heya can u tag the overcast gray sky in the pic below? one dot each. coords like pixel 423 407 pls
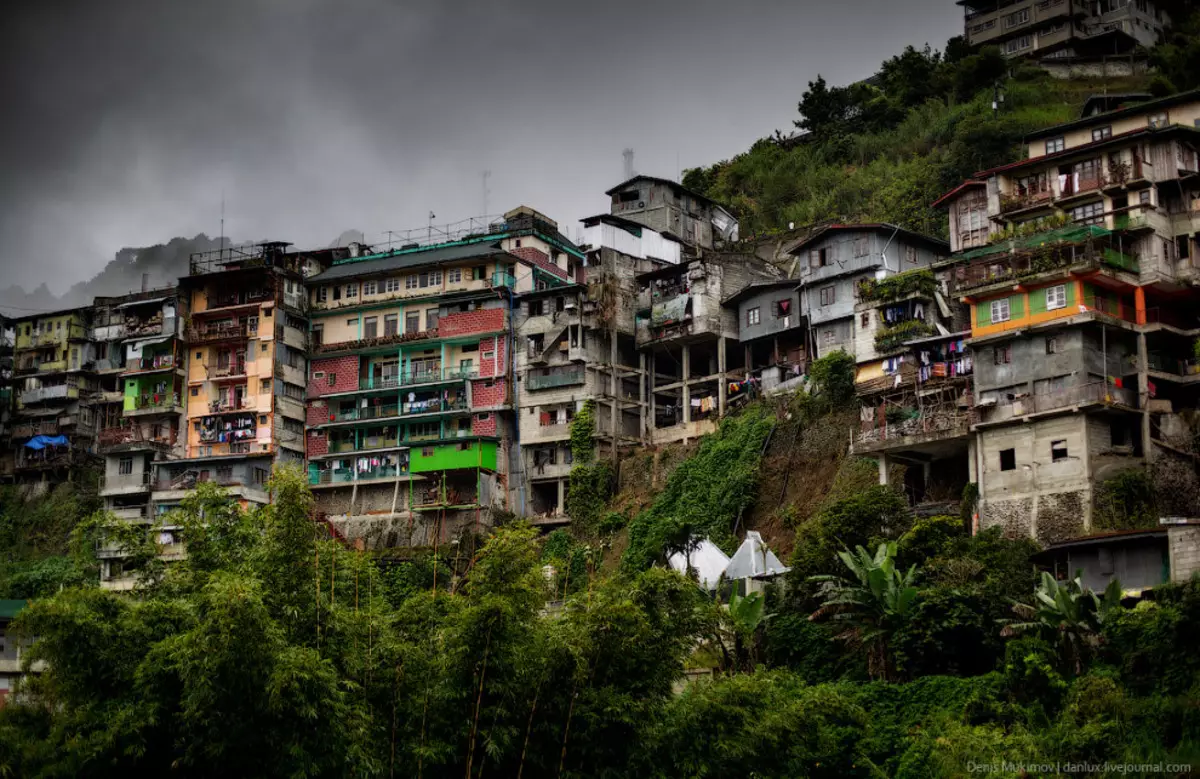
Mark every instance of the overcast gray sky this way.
pixel 125 120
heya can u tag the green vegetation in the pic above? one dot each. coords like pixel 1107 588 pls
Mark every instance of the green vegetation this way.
pixel 885 153
pixel 901 285
pixel 706 494
pixel 591 482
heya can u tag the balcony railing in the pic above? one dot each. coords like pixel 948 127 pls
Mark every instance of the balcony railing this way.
pixel 53 392
pixel 156 363
pixel 365 412
pixel 1024 199
pixel 350 475
pixel 431 376
pixel 434 405
pixel 1077 185
pixel 219 371
pixel 112 437
pixel 149 401
pixel 561 378
pixel 1028 262
pixel 920 427
pixel 1084 394
pixel 213 333
pixel 371 343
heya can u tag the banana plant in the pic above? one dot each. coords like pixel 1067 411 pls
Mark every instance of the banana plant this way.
pixel 1068 614
pixel 870 604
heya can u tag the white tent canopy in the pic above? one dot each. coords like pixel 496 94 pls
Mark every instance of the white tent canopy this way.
pixel 753 559
pixel 706 558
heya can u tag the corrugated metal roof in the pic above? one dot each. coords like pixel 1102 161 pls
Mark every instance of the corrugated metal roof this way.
pixel 11 608
pixel 361 266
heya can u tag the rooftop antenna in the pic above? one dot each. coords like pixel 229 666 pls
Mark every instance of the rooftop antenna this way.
pixel 429 229
pixel 628 155
pixel 487 174
pixel 221 246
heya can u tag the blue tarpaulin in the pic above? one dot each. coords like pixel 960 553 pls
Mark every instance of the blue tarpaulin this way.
pixel 42 441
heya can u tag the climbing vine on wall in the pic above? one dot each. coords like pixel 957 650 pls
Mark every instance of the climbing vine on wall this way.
pixel 591 481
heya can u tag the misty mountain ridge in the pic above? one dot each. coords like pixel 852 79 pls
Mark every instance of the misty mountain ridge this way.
pixel 162 264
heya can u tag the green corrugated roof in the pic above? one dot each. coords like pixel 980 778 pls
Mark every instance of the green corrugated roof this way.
pixel 11 608
pixel 1068 234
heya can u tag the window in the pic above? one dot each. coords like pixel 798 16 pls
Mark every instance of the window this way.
pixel 351 290
pixel 322 294
pixel 332 378
pixel 480 273
pixel 865 320
pixel 862 246
pixel 1144 197
pixel 828 337
pixel 352 322
pixel 753 316
pixel 1002 355
pixel 1054 144
pixel 1053 346
pixel 489 355
pixel 1158 120
pixel 827 295
pixel 264 386
pixel 1100 133
pixel 1008 459
pixel 318 334
pixel 431 319
pixel 1117 434
pixel 125 466
pixel 391 285
pixel 370 287
pixel 1058 450
pixel 435 278
pixel 910 254
pixel 370 327
pixel 536 308
pixel 1000 310
pixel 1089 213
pixel 1017 18
pixel 1056 297
pixel 454 276
pixel 782 308
pixel 818 258
pixel 195 392
pixel 469 348
pixel 412 322
pixel 391 324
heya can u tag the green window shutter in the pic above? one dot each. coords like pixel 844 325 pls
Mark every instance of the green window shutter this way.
pixel 983 314
pixel 1016 306
pixel 1070 294
pixel 1037 301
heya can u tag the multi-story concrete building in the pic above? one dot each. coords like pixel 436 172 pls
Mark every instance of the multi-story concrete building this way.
pixel 411 396
pixel 142 409
pixel 836 260
pixel 1075 266
pixel 669 208
pixel 1063 28
pixel 246 371
pixel 690 340
pixel 772 332
pixel 8 338
pixel 53 430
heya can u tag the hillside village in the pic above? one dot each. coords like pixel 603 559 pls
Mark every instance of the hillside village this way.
pixel 1017 383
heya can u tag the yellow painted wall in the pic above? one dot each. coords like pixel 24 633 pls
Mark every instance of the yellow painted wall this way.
pixel 1185 114
pixel 465 282
pixel 27 329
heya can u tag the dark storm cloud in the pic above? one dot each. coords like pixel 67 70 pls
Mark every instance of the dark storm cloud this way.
pixel 125 121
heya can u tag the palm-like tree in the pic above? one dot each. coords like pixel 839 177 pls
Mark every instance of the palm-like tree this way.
pixel 1068 614
pixel 871 604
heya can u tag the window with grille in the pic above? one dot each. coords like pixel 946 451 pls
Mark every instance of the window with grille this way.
pixel 1000 310
pixel 1056 297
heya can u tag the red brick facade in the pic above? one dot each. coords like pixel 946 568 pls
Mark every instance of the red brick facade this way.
pixel 483 396
pixel 344 370
pixel 497 363
pixel 540 259
pixel 317 413
pixel 318 443
pixel 485 426
pixel 483 320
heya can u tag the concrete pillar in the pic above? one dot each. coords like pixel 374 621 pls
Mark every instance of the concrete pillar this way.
pixel 883 469
pixel 687 389
pixel 649 429
pixel 1143 380
pixel 722 385
pixel 613 385
pixel 642 395
pixel 927 474
pixel 972 471
pixel 562 497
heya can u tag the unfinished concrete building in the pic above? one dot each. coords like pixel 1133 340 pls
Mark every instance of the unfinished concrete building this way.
pixel 1082 311
pixel 691 342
